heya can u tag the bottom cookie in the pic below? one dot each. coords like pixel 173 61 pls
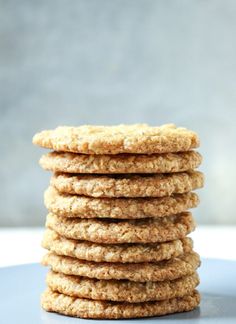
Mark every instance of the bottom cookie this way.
pixel 86 308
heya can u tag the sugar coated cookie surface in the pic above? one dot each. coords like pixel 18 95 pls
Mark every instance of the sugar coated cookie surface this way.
pixel 177 267
pixel 120 208
pixel 121 290
pixel 120 163
pixel 138 138
pixel 131 186
pixel 151 230
pixel 86 308
pixel 124 253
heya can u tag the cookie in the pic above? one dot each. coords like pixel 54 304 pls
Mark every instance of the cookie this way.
pixel 151 230
pixel 130 186
pixel 174 268
pixel 121 290
pixel 119 208
pixel 120 163
pixel 87 308
pixel 124 253
pixel 139 138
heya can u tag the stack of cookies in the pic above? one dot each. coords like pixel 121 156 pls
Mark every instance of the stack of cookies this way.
pixel 118 220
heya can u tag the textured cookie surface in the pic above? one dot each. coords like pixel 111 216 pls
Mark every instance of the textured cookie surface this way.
pixel 158 185
pixel 178 267
pixel 120 163
pixel 123 208
pixel 123 231
pixel 139 138
pixel 85 308
pixel 121 290
pixel 125 253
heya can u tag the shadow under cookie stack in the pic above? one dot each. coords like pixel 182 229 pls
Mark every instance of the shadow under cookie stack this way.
pixel 118 220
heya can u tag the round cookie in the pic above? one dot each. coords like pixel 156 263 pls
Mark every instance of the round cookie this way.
pixel 120 208
pixel 131 186
pixel 121 290
pixel 139 138
pixel 151 230
pixel 178 267
pixel 120 163
pixel 124 253
pixel 86 308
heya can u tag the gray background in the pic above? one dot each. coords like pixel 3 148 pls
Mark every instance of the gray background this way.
pixel 109 62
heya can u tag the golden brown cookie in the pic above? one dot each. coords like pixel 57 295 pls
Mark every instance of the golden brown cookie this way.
pixel 121 290
pixel 174 268
pixel 151 230
pixel 130 186
pixel 120 208
pixel 87 308
pixel 124 253
pixel 139 138
pixel 120 163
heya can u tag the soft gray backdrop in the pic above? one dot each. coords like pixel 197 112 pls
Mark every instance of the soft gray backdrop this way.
pixel 110 62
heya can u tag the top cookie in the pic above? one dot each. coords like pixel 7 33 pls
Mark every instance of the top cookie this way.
pixel 138 138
